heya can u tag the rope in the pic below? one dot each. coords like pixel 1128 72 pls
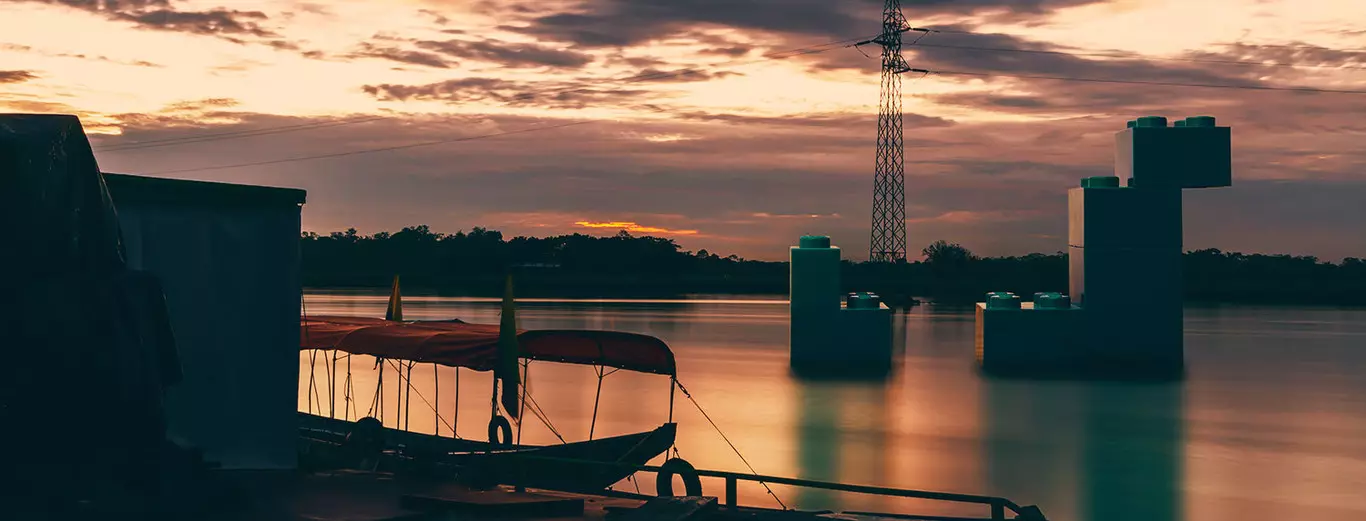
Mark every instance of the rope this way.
pixel 312 361
pixel 332 387
pixel 408 403
pixel 312 354
pixel 540 414
pixel 728 442
pixel 350 399
pixel 423 398
pixel 526 373
pixel 376 403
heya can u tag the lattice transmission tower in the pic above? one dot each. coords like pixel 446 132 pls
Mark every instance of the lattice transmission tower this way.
pixel 889 179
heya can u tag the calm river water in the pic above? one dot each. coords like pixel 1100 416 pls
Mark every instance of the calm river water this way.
pixel 1270 424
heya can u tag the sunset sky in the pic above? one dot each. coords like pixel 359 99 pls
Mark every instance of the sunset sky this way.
pixel 603 128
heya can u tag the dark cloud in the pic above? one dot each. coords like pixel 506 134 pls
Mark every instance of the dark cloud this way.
pixel 16 76
pixel 230 24
pixel 654 75
pixel 574 93
pixel 734 51
pixel 201 105
pixel 509 54
pixel 1303 54
pixel 436 17
pixel 213 22
pixel 546 94
pixel 411 57
pixel 615 23
pixel 818 120
pixel 444 53
pixel 79 56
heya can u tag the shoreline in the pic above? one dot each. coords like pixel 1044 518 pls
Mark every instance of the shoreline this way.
pixel 630 292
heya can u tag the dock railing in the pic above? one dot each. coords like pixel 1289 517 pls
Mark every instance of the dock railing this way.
pixel 998 505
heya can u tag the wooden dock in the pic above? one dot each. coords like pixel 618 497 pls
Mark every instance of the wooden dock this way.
pixel 368 496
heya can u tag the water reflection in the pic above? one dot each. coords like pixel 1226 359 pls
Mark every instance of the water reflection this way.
pixel 841 436
pixel 1132 457
pixel 1270 423
pixel 1086 450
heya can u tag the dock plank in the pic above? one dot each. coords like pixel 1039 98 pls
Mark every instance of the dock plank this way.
pixel 496 504
pixel 671 509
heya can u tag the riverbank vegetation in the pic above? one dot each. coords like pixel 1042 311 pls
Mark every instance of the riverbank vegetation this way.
pixel 475 262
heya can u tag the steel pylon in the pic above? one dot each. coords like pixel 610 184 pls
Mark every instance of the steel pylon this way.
pixel 888 242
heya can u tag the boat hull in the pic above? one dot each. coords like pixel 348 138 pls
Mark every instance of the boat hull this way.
pixel 581 466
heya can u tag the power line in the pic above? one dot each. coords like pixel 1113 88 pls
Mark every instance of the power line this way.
pixel 156 143
pixel 1142 58
pixel 1229 44
pixel 374 150
pixel 1142 82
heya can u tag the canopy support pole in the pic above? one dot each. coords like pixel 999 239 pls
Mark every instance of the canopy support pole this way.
pixel 673 386
pixel 332 388
pixel 493 402
pixel 526 374
pixel 436 398
pixel 455 420
pixel 377 405
pixel 408 400
pixel 596 399
pixel 350 394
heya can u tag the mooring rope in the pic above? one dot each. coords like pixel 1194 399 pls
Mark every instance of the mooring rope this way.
pixel 419 395
pixel 728 442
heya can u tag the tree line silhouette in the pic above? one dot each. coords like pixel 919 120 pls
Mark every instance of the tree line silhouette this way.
pixel 475 263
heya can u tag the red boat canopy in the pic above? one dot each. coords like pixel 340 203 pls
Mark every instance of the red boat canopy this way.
pixel 459 344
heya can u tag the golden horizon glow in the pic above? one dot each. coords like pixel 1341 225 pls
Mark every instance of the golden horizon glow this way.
pixel 633 227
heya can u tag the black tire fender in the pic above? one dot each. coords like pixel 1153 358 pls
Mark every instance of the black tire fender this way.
pixel 664 483
pixel 500 425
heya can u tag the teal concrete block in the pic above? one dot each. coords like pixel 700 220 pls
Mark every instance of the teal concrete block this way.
pixel 1123 218
pixel 1029 340
pixel 1193 154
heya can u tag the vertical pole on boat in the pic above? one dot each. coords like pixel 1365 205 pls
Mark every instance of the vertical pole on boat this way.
pixel 379 392
pixel 455 418
pixel 398 396
pixel 597 398
pixel 673 386
pixel 332 388
pixel 350 397
pixel 436 399
pixel 408 401
pixel 526 374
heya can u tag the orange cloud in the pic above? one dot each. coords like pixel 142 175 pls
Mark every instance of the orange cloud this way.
pixel 633 227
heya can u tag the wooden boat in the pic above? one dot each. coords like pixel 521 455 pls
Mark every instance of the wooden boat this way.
pixel 329 441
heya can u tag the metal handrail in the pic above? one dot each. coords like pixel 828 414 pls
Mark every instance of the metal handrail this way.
pixel 999 505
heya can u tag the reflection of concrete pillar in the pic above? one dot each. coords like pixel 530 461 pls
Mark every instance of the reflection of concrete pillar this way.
pixel 818 442
pixel 864 422
pixel 1031 435
pixel 1133 455
pixel 842 437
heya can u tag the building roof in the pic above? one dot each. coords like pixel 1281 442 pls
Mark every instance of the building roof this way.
pixel 124 188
